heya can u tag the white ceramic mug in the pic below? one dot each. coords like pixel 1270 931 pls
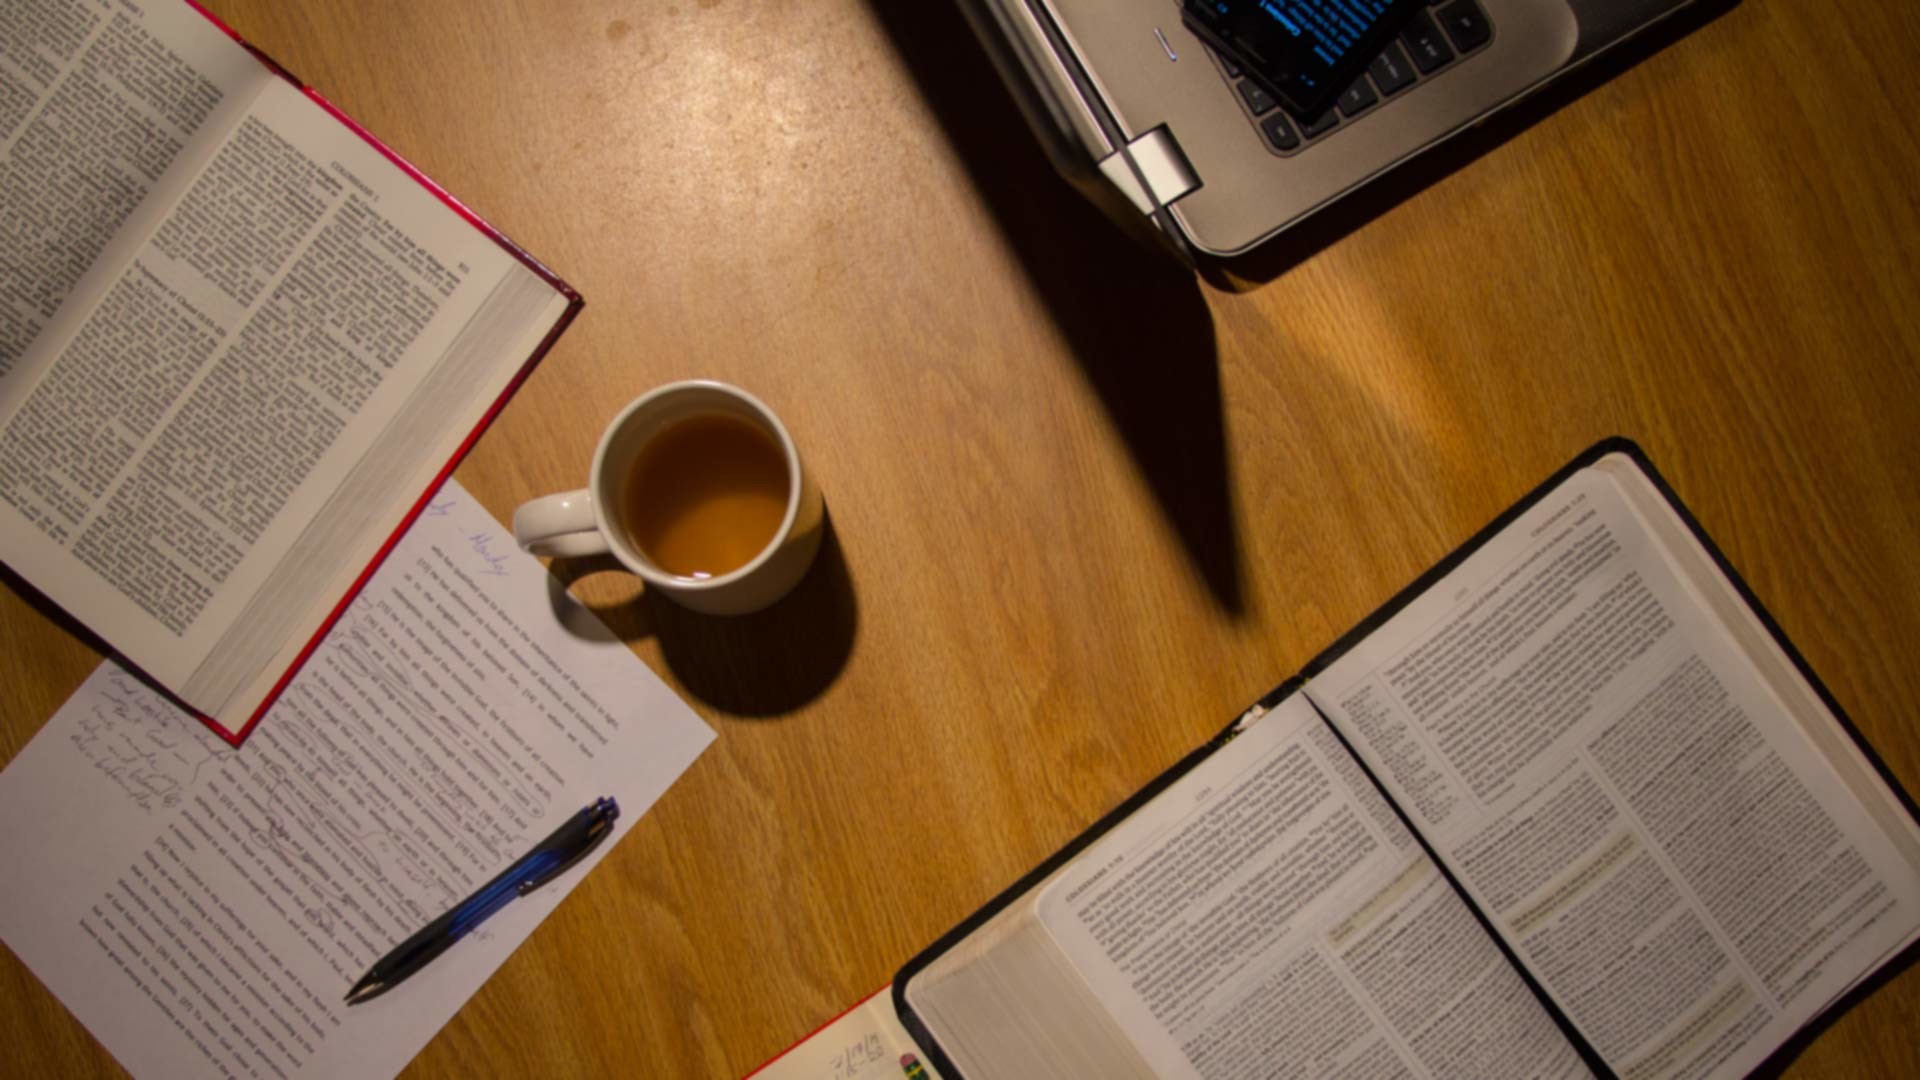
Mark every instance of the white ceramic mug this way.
pixel 591 521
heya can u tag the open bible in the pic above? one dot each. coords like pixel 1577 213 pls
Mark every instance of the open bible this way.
pixel 240 342
pixel 1569 804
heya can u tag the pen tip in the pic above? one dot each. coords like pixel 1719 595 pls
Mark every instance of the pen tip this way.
pixel 364 990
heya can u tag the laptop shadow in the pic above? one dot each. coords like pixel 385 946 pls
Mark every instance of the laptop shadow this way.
pixel 1355 211
pixel 1136 322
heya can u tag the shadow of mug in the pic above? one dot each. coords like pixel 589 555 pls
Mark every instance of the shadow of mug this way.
pixel 761 665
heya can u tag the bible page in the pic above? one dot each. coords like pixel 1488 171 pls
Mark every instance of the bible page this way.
pixel 1620 791
pixel 197 419
pixel 106 109
pixel 1269 916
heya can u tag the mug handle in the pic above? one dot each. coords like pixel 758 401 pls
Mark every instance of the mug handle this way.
pixel 559 526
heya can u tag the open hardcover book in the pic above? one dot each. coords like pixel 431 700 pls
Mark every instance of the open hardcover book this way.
pixel 240 341
pixel 1571 803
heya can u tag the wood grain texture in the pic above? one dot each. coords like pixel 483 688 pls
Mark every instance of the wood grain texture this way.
pixel 1084 508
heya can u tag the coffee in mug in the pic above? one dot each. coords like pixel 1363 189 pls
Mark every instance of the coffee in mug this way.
pixel 706 495
pixel 696 487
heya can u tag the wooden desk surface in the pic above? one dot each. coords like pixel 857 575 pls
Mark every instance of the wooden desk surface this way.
pixel 1085 510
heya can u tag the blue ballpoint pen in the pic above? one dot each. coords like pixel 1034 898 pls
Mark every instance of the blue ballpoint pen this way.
pixel 568 845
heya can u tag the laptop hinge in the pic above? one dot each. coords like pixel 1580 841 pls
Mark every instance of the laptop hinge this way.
pixel 1155 159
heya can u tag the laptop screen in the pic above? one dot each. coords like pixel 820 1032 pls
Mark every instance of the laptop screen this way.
pixel 1304 51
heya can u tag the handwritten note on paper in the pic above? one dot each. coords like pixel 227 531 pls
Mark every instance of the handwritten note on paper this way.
pixel 154 755
pixel 864 1043
pixel 203 909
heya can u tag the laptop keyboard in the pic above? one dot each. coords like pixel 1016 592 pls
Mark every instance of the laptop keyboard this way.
pixel 1442 35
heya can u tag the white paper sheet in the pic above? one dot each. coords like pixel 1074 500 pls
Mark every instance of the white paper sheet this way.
pixel 203 909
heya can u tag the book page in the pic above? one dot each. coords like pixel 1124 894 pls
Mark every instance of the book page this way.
pixel 203 909
pixel 103 105
pixel 1269 916
pixel 272 327
pixel 1616 786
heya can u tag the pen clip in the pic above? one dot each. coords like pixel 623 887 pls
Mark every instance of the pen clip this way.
pixel 598 830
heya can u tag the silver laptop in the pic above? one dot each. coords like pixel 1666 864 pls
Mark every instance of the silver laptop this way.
pixel 1166 134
